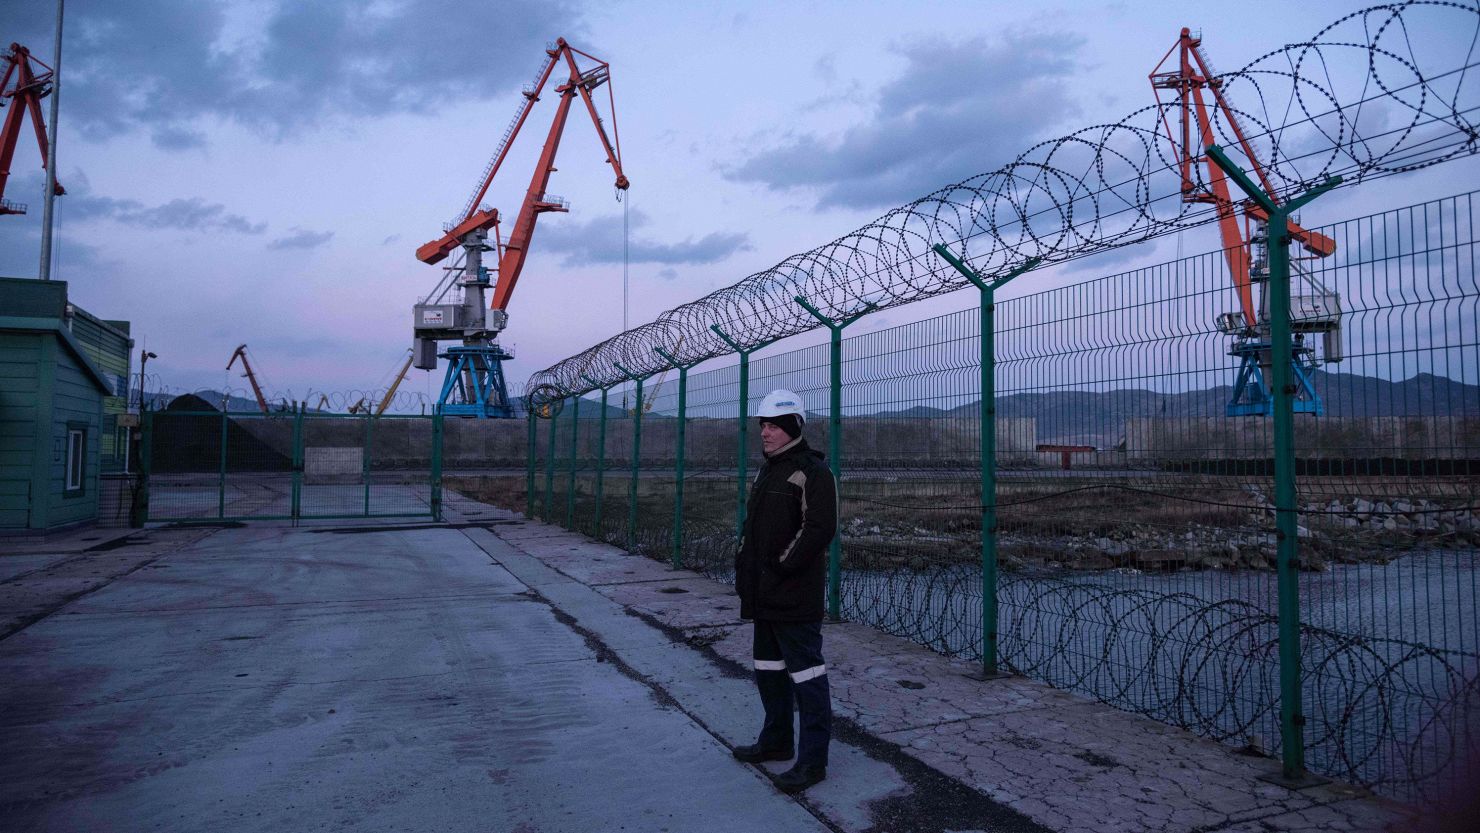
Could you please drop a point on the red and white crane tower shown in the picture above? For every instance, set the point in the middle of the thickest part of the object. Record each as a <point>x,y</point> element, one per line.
<point>474,385</point>
<point>23,97</point>
<point>1245,244</point>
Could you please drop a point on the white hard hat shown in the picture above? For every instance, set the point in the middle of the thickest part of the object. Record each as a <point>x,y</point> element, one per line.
<point>779,402</point>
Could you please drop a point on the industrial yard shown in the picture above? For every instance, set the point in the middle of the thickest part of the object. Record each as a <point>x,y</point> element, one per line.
<point>379,416</point>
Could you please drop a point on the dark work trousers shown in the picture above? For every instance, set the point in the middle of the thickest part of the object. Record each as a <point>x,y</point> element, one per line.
<point>789,669</point>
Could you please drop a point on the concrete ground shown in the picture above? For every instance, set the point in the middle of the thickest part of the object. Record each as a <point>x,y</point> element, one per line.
<point>493,673</point>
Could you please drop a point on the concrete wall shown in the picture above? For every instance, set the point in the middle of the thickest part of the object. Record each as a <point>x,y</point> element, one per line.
<point>332,465</point>
<point>866,440</point>
<point>1413,438</point>
<point>392,442</point>
<point>488,442</point>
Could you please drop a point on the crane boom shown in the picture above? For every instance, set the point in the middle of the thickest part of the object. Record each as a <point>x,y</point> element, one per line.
<point>241,352</point>
<point>536,202</point>
<point>1250,329</point>
<point>1191,77</point>
<point>474,385</point>
<point>25,97</point>
<point>390,395</point>
<point>531,95</point>
<point>511,257</point>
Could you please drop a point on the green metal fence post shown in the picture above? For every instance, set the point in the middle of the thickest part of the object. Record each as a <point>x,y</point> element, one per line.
<point>437,466</point>
<point>296,505</point>
<point>548,513</point>
<point>221,486</point>
<point>529,465</point>
<point>365,457</point>
<point>1277,231</point>
<point>988,419</point>
<point>575,440</point>
<point>835,445</point>
<point>743,456</point>
<point>139,514</point>
<point>683,403</point>
<point>600,458</point>
<point>636,459</point>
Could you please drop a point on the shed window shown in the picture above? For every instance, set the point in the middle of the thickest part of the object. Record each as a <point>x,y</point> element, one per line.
<point>76,458</point>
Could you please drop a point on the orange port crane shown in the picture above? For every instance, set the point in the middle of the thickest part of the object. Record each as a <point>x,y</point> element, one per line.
<point>23,97</point>
<point>474,384</point>
<point>1191,82</point>
<point>241,353</point>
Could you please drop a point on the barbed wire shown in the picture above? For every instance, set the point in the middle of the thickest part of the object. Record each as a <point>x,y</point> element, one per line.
<point>1100,188</point>
<point>1207,665</point>
<point>1211,666</point>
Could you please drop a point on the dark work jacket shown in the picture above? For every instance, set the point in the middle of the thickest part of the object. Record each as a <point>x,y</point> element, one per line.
<point>790,519</point>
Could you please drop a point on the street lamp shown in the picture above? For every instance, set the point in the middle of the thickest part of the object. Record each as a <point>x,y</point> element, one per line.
<point>144,357</point>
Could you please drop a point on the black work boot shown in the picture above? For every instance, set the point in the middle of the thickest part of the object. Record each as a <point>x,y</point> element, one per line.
<point>755,753</point>
<point>800,777</point>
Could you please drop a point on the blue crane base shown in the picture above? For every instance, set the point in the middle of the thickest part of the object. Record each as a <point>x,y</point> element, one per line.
<point>474,386</point>
<point>1251,394</point>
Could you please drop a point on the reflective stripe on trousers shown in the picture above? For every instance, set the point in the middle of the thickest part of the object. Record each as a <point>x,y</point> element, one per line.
<point>789,670</point>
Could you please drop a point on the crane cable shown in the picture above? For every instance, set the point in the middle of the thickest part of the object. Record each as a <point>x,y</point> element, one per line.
<point>626,262</point>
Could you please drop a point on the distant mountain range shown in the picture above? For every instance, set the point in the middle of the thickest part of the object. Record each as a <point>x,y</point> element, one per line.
<point>1099,417</point>
<point>1065,416</point>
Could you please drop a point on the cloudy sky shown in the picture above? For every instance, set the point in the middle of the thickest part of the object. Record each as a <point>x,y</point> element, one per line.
<point>262,171</point>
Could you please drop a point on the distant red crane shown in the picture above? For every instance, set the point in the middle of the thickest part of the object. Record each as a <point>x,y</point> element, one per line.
<point>241,352</point>
<point>24,97</point>
<point>1249,327</point>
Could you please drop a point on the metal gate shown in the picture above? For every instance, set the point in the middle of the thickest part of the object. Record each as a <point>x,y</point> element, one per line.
<point>207,466</point>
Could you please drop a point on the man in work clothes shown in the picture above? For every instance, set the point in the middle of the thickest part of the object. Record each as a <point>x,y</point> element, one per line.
<point>780,573</point>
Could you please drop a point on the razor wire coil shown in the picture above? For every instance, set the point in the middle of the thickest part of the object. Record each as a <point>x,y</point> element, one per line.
<point>1100,188</point>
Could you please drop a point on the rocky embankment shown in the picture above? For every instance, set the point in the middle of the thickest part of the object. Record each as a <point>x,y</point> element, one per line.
<point>1342,531</point>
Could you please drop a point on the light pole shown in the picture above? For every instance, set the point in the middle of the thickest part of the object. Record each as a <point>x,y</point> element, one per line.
<point>144,357</point>
<point>49,206</point>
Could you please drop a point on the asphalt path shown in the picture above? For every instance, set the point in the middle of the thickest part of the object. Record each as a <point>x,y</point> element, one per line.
<point>272,679</point>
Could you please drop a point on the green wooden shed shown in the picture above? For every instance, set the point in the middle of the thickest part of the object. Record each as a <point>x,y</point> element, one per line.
<point>51,412</point>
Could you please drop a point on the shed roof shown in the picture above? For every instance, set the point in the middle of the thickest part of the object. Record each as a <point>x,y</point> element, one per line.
<point>54,326</point>
<point>40,307</point>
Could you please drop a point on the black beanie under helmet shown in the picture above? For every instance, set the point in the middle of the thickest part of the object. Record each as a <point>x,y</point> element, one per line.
<point>790,423</point>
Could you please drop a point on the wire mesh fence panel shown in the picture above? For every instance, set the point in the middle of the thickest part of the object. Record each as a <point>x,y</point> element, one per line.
<point>1136,559</point>
<point>713,481</point>
<point>1134,489</point>
<point>335,473</point>
<point>400,457</point>
<point>910,492</point>
<point>487,459</point>
<point>1388,506</point>
<point>184,465</point>
<point>588,469</point>
<point>250,466</point>
<point>650,435</point>
<point>214,466</point>
<point>257,466</point>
